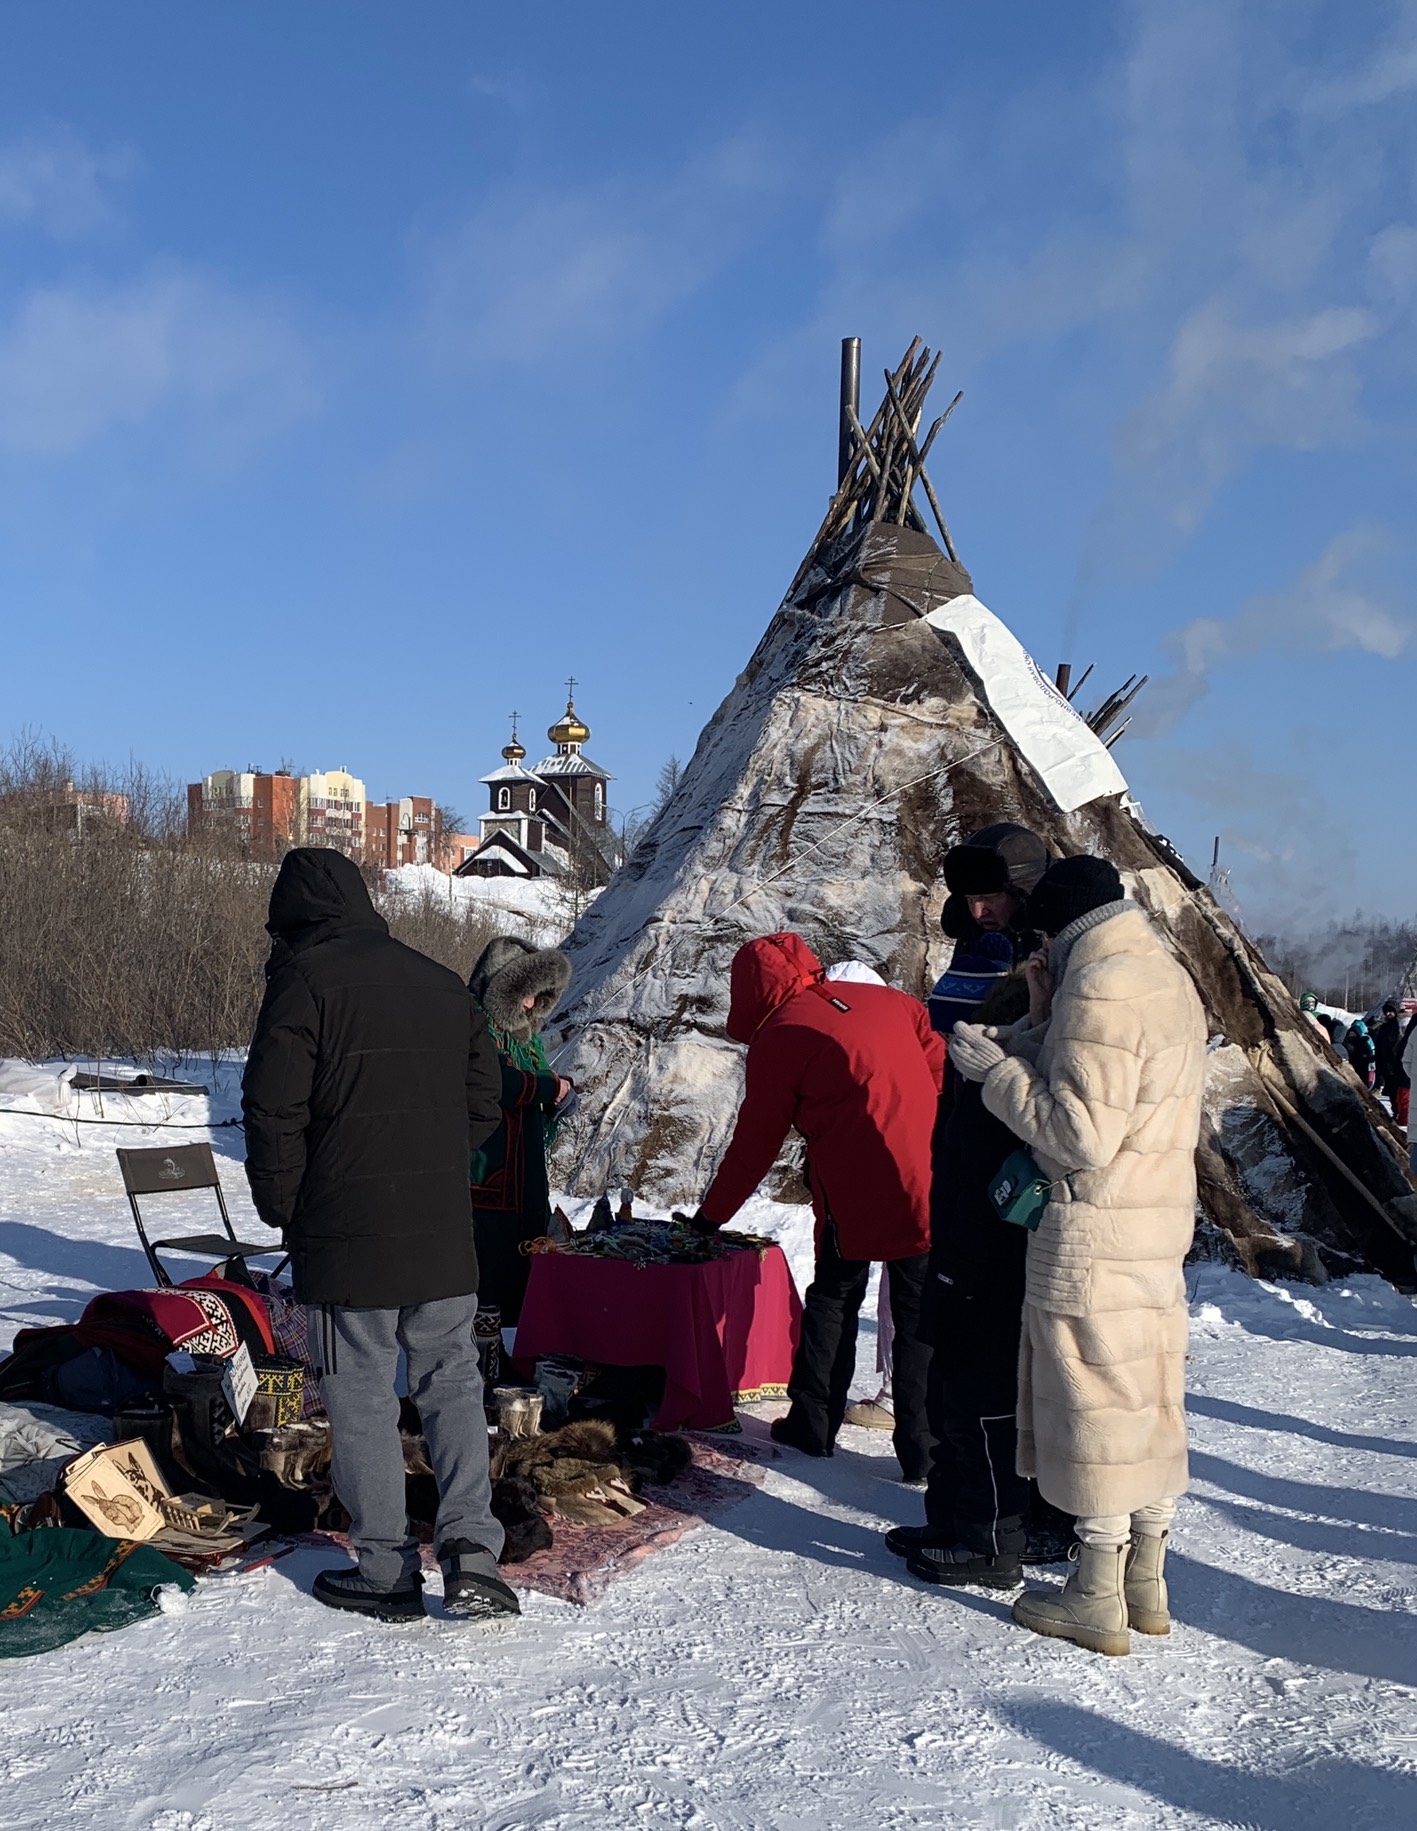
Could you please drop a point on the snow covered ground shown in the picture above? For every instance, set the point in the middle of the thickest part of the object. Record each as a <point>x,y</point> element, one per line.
<point>782,1672</point>
<point>541,909</point>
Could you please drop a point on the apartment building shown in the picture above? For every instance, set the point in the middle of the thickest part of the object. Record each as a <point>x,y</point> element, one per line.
<point>327,808</point>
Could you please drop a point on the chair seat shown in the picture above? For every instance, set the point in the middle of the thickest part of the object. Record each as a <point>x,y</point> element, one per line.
<point>218,1245</point>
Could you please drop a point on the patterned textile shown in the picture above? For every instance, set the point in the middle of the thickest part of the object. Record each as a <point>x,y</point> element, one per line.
<point>60,1583</point>
<point>583,1561</point>
<point>206,1316</point>
<point>290,1334</point>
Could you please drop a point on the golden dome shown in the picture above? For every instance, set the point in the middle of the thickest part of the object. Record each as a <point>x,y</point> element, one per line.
<point>569,729</point>
<point>515,752</point>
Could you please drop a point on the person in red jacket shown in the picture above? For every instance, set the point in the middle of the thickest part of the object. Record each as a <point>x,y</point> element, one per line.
<point>856,1069</point>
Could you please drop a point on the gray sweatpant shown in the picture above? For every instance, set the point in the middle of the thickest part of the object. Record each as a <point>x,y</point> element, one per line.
<point>446,1386</point>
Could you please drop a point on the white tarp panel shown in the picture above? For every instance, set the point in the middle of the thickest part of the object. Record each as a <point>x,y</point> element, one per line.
<point>1071,761</point>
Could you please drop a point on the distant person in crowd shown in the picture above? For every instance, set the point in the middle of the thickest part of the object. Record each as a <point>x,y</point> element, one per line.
<point>1358,1046</point>
<point>1409,1064</point>
<point>1388,1045</point>
<point>517,987</point>
<point>856,1070</point>
<point>1309,1005</point>
<point>370,1076</point>
<point>1105,1093</point>
<point>981,1516</point>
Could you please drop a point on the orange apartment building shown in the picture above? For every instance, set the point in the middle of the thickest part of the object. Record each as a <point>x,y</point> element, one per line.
<point>269,812</point>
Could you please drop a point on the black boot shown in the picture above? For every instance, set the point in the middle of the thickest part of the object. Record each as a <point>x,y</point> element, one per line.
<point>1050,1531</point>
<point>346,1589</point>
<point>472,1590</point>
<point>960,1564</point>
<point>905,1541</point>
<point>795,1434</point>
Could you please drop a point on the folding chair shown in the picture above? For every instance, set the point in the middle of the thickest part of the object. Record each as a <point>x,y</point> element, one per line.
<point>188,1166</point>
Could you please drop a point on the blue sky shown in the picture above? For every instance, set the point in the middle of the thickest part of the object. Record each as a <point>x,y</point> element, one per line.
<point>366,370</point>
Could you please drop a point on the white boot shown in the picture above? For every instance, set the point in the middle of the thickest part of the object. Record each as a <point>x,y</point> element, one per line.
<point>1148,1608</point>
<point>1090,1609</point>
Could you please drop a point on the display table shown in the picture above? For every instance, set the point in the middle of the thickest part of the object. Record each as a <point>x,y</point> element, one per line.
<point>724,1332</point>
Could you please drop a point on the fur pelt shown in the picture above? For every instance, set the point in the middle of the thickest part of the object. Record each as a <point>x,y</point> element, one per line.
<point>516,1503</point>
<point>576,1472</point>
<point>509,970</point>
<point>655,1457</point>
<point>586,1471</point>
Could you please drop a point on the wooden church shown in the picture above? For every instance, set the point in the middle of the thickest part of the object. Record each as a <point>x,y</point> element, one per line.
<point>552,819</point>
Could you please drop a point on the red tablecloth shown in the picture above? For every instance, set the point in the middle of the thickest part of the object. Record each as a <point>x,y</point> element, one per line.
<point>723,1332</point>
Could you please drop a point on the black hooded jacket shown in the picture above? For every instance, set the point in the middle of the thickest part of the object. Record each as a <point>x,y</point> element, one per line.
<point>370,1078</point>
<point>1389,1042</point>
<point>975,1258</point>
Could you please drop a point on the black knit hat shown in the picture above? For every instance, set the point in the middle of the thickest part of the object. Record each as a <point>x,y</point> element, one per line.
<point>1071,888</point>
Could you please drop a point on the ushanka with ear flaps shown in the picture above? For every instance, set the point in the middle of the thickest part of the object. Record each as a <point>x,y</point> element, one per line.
<point>1002,857</point>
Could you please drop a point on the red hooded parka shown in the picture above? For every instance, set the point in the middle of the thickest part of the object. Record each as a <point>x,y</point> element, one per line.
<point>857,1070</point>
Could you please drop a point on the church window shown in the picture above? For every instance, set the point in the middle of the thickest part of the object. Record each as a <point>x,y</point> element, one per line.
<point>599,801</point>
<point>504,800</point>
<point>531,801</point>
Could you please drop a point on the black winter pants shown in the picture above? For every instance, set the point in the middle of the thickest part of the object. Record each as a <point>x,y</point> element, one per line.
<point>826,1353</point>
<point>974,1493</point>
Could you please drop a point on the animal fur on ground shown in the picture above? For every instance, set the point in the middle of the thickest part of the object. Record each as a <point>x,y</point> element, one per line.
<point>584,1472</point>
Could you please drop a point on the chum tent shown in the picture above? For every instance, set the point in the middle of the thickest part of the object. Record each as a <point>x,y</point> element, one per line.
<point>885,715</point>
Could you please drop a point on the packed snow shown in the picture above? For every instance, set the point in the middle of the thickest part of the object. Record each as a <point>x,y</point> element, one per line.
<point>780,1670</point>
<point>541,909</point>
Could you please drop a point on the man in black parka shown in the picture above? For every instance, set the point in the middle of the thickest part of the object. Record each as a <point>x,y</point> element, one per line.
<point>981,1515</point>
<point>370,1078</point>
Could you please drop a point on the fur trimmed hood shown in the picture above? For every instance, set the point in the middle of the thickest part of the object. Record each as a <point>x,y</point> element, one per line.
<point>510,970</point>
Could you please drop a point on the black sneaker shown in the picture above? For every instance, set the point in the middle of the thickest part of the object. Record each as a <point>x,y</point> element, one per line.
<point>472,1589</point>
<point>961,1565</point>
<point>905,1541</point>
<point>346,1589</point>
<point>783,1430</point>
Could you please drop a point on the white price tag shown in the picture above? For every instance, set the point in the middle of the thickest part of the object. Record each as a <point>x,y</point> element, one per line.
<point>239,1383</point>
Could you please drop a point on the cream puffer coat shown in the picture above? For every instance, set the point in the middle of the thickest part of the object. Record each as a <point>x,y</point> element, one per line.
<point>1107,1095</point>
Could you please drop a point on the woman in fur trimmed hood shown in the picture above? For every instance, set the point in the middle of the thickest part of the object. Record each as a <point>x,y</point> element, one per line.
<point>518,986</point>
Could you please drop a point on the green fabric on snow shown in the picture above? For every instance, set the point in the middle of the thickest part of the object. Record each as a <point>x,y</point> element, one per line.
<point>61,1582</point>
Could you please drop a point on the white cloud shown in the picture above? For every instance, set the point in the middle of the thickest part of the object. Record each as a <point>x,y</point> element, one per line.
<point>52,181</point>
<point>1387,71</point>
<point>1233,389</point>
<point>533,273</point>
<point>1329,606</point>
<point>78,362</point>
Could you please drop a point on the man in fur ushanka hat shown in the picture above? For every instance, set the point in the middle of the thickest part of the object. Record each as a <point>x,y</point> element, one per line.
<point>981,1516</point>
<point>517,986</point>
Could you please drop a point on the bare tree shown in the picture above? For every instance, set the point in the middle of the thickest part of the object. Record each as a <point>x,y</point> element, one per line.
<point>124,935</point>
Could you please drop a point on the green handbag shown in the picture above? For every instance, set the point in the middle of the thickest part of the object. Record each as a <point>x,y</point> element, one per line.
<point>1020,1191</point>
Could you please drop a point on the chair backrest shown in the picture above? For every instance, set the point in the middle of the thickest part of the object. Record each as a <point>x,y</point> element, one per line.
<point>160,1171</point>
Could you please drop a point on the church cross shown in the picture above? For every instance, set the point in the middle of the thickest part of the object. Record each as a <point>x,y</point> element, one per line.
<point>571,688</point>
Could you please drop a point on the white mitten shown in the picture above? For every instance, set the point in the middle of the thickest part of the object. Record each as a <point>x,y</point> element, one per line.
<point>972,1052</point>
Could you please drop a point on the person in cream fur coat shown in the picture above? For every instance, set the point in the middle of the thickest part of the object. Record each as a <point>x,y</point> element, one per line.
<point>1104,1089</point>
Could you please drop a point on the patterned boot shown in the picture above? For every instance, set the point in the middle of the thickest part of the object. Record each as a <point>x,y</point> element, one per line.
<point>1148,1605</point>
<point>1090,1609</point>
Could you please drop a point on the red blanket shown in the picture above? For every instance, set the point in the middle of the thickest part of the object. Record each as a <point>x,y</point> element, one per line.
<point>724,1332</point>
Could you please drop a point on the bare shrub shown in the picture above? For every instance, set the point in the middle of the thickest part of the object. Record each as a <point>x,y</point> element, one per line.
<point>121,935</point>
<point>451,930</point>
